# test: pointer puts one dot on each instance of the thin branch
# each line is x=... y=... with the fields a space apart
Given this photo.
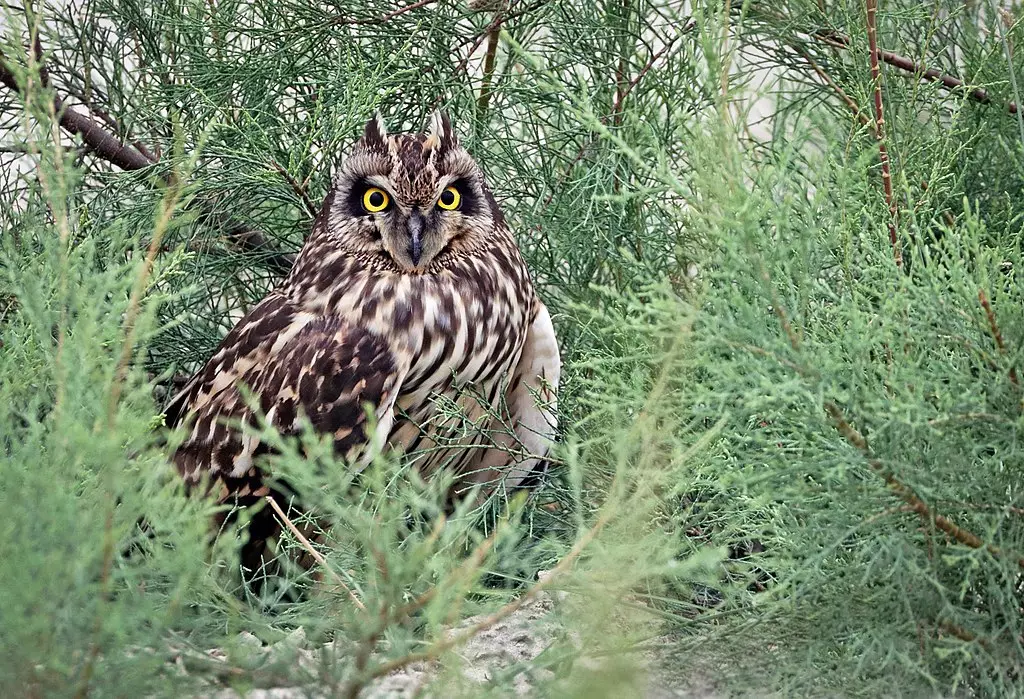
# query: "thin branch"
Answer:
x=909 y=65
x=113 y=123
x=620 y=77
x=883 y=152
x=904 y=491
x=489 y=59
x=857 y=440
x=620 y=98
x=104 y=144
x=962 y=633
x=389 y=15
x=1004 y=18
x=312 y=551
x=997 y=335
x=298 y=188
x=108 y=147
x=863 y=118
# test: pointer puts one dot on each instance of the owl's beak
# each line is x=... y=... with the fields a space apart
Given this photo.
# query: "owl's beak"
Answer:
x=415 y=228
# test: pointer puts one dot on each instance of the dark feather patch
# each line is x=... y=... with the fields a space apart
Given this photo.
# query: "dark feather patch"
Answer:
x=375 y=135
x=328 y=370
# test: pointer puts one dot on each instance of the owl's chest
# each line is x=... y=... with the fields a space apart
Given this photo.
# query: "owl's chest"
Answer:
x=459 y=328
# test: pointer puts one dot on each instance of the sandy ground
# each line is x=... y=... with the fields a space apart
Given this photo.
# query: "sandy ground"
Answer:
x=512 y=642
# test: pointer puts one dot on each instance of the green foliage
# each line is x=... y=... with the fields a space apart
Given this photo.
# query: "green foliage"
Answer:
x=787 y=461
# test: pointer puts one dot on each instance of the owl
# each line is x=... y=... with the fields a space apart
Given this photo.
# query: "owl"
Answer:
x=411 y=302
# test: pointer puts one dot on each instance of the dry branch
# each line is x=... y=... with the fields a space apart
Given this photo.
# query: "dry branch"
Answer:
x=110 y=148
x=299 y=188
x=909 y=65
x=837 y=88
x=883 y=152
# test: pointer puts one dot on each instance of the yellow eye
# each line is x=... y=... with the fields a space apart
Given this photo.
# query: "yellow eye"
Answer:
x=375 y=199
x=449 y=199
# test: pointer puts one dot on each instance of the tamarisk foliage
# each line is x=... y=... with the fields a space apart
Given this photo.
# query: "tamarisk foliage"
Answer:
x=781 y=243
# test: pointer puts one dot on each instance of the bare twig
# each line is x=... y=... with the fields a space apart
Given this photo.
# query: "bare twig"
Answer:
x=312 y=551
x=883 y=152
x=110 y=148
x=104 y=144
x=113 y=123
x=780 y=312
x=863 y=118
x=962 y=633
x=474 y=42
x=620 y=97
x=909 y=65
x=997 y=335
x=489 y=58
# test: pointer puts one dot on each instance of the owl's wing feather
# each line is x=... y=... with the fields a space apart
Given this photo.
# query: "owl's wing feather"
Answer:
x=291 y=364
x=530 y=407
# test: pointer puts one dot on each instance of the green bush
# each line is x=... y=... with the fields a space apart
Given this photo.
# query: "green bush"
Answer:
x=788 y=457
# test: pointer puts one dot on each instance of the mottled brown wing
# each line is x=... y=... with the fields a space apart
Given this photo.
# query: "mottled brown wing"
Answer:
x=292 y=363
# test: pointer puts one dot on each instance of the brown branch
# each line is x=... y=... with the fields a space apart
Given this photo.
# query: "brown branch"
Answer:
x=909 y=65
x=108 y=147
x=857 y=440
x=298 y=188
x=113 y=123
x=861 y=116
x=996 y=333
x=883 y=152
x=962 y=633
x=620 y=98
x=620 y=79
x=494 y=33
x=904 y=491
x=104 y=144
x=780 y=312
x=489 y=59
x=933 y=75
x=385 y=18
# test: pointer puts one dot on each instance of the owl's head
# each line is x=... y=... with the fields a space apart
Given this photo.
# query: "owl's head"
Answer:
x=411 y=200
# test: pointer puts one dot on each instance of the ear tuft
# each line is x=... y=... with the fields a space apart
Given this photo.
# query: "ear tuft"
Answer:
x=375 y=134
x=441 y=135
